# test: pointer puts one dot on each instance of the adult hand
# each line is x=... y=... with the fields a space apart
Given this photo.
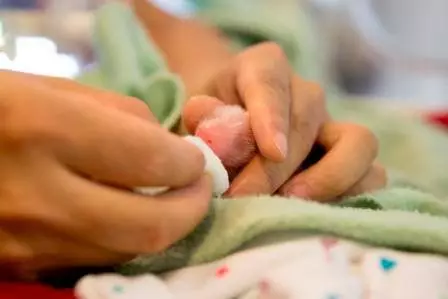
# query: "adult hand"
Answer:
x=69 y=157
x=288 y=118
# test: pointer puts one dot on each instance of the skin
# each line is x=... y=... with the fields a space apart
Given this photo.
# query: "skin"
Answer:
x=288 y=115
x=70 y=154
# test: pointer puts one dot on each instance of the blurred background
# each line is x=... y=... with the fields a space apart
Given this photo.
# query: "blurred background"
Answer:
x=394 y=50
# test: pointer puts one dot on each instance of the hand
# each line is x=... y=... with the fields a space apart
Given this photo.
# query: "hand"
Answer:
x=69 y=157
x=288 y=118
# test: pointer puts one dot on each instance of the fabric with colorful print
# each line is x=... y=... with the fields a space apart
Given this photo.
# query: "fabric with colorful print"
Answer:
x=314 y=268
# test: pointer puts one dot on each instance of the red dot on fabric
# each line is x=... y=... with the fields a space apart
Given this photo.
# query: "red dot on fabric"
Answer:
x=263 y=286
x=222 y=271
x=329 y=242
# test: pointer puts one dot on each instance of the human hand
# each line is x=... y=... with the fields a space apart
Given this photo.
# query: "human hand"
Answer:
x=70 y=156
x=288 y=118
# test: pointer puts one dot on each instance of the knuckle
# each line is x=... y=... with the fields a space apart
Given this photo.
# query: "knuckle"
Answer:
x=303 y=121
x=266 y=66
x=300 y=125
x=272 y=83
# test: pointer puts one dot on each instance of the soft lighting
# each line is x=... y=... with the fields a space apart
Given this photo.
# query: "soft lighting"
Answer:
x=38 y=55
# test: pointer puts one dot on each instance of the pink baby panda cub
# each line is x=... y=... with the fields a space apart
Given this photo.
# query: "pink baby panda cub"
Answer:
x=225 y=129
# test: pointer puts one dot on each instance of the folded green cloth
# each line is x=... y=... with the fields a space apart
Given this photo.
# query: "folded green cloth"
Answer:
x=397 y=218
x=402 y=216
x=130 y=64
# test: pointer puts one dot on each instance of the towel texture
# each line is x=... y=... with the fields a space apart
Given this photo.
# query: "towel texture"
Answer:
x=397 y=218
x=409 y=215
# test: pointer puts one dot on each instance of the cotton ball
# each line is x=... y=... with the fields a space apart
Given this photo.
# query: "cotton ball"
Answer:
x=213 y=167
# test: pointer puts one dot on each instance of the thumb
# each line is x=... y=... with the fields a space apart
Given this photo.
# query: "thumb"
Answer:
x=197 y=109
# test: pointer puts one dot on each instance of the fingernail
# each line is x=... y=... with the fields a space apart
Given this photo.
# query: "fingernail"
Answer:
x=281 y=144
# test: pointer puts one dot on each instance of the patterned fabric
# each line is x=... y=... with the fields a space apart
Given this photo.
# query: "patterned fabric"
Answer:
x=317 y=268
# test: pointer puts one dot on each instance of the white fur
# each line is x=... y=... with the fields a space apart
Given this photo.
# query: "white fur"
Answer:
x=231 y=115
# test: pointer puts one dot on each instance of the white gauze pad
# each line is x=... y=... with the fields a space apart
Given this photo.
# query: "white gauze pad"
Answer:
x=213 y=166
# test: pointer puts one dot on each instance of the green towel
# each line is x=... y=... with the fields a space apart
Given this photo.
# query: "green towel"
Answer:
x=257 y=21
x=398 y=218
x=402 y=216
x=130 y=64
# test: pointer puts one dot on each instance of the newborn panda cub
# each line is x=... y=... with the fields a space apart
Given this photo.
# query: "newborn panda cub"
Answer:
x=227 y=132
x=227 y=143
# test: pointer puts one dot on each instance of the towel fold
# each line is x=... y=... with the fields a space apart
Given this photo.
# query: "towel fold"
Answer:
x=129 y=63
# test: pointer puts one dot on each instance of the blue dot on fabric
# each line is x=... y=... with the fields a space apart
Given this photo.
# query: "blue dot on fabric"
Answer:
x=387 y=264
x=332 y=296
x=118 y=289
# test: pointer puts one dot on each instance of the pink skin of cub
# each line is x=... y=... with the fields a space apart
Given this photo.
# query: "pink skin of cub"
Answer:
x=227 y=132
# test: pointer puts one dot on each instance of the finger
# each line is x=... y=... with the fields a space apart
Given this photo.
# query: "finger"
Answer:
x=265 y=89
x=197 y=109
x=351 y=150
x=262 y=176
x=110 y=146
x=375 y=179
x=132 y=223
x=123 y=103
x=125 y=151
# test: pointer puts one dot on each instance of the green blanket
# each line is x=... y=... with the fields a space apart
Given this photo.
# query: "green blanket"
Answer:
x=408 y=215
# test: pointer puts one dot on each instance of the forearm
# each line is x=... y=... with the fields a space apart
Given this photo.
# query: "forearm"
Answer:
x=193 y=50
